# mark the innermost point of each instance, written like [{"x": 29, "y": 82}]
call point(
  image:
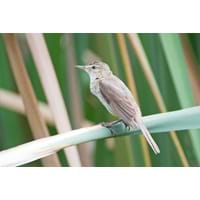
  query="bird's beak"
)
[{"x": 80, "y": 67}]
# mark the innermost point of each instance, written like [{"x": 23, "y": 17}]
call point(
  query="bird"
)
[{"x": 117, "y": 98}]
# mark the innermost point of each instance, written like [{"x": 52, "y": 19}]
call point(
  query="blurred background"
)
[{"x": 161, "y": 70}]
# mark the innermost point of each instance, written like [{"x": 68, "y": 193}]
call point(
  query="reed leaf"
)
[
  {"x": 177, "y": 120},
  {"x": 75, "y": 100},
  {"x": 36, "y": 122},
  {"x": 14, "y": 102},
  {"x": 193, "y": 67},
  {"x": 179, "y": 72},
  {"x": 137, "y": 46},
  {"x": 52, "y": 90},
  {"x": 8, "y": 136},
  {"x": 132, "y": 86}
]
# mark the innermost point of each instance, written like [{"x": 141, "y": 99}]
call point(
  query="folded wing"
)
[{"x": 120, "y": 101}]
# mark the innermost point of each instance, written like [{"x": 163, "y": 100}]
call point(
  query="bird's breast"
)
[
  {"x": 94, "y": 87},
  {"x": 95, "y": 90}
]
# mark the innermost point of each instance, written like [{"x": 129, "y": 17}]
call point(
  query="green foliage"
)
[{"x": 165, "y": 54}]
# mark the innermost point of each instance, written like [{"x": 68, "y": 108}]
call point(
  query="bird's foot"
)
[
  {"x": 109, "y": 125},
  {"x": 127, "y": 126}
]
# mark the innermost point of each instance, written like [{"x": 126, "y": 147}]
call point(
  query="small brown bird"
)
[{"x": 117, "y": 98}]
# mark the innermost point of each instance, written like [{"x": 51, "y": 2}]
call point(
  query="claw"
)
[
  {"x": 106, "y": 124},
  {"x": 109, "y": 125},
  {"x": 127, "y": 126}
]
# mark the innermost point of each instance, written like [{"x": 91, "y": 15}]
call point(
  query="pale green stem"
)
[{"x": 177, "y": 120}]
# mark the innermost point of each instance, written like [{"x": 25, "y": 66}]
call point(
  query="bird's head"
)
[{"x": 96, "y": 70}]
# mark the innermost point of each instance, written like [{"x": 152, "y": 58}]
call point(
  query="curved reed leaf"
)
[{"x": 177, "y": 120}]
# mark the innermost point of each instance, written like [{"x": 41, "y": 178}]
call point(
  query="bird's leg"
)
[
  {"x": 110, "y": 124},
  {"x": 134, "y": 125},
  {"x": 126, "y": 125},
  {"x": 112, "y": 131},
  {"x": 117, "y": 121}
]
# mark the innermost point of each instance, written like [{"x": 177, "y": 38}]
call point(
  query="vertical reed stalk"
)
[
  {"x": 36, "y": 122},
  {"x": 142, "y": 58},
  {"x": 76, "y": 109},
  {"x": 131, "y": 84},
  {"x": 193, "y": 70},
  {"x": 52, "y": 90}
]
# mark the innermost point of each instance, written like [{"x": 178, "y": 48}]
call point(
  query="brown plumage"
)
[{"x": 117, "y": 98}]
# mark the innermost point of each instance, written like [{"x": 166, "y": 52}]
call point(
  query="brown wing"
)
[{"x": 120, "y": 100}]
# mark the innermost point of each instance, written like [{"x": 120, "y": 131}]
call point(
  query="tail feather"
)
[{"x": 149, "y": 138}]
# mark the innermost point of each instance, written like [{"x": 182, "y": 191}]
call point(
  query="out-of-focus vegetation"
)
[{"x": 162, "y": 70}]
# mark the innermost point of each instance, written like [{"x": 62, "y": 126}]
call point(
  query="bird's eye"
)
[{"x": 93, "y": 67}]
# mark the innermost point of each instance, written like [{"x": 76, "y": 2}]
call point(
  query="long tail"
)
[{"x": 149, "y": 139}]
